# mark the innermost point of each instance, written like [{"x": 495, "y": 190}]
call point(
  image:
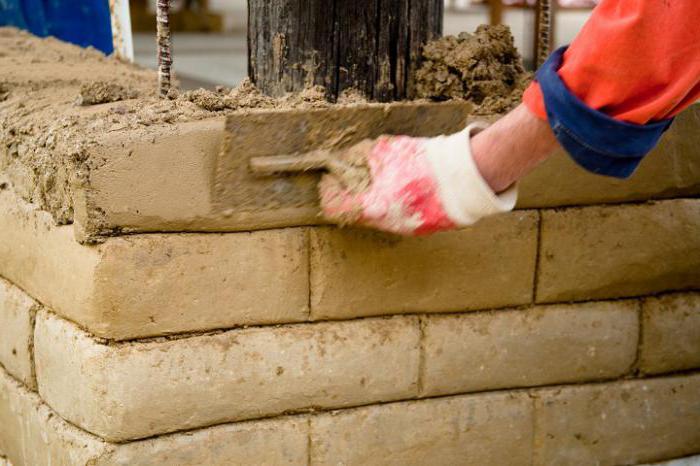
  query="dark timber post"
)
[{"x": 370, "y": 45}]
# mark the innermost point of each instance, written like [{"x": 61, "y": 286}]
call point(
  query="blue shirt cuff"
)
[{"x": 596, "y": 141}]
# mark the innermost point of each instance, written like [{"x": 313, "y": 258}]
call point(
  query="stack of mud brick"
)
[{"x": 564, "y": 333}]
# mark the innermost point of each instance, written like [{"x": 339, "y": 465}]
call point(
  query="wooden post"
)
[{"x": 371, "y": 45}]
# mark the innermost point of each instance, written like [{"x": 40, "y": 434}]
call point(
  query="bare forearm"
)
[{"x": 512, "y": 147}]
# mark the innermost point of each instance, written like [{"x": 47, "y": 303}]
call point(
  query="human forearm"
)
[{"x": 512, "y": 147}]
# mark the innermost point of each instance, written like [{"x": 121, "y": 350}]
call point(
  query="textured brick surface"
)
[
  {"x": 282, "y": 441},
  {"x": 361, "y": 273},
  {"x": 145, "y": 285},
  {"x": 539, "y": 346},
  {"x": 616, "y": 251},
  {"x": 17, "y": 312},
  {"x": 478, "y": 430},
  {"x": 136, "y": 390},
  {"x": 671, "y": 170},
  {"x": 32, "y": 434},
  {"x": 671, "y": 333},
  {"x": 618, "y": 423}
]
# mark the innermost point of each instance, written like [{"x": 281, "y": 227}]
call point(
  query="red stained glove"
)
[{"x": 411, "y": 186}]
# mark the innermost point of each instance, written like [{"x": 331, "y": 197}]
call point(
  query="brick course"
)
[
  {"x": 33, "y": 434},
  {"x": 360, "y": 273},
  {"x": 17, "y": 312},
  {"x": 136, "y": 390},
  {"x": 539, "y": 346},
  {"x": 147, "y": 285},
  {"x": 627, "y": 422},
  {"x": 478, "y": 430},
  {"x": 619, "y": 251}
]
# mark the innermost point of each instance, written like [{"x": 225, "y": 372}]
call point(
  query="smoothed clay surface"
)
[{"x": 58, "y": 102}]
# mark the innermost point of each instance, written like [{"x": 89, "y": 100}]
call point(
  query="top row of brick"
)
[{"x": 162, "y": 180}]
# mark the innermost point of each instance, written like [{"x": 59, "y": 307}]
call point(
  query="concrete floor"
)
[{"x": 206, "y": 60}]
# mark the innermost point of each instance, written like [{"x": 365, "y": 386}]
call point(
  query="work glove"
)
[{"x": 411, "y": 186}]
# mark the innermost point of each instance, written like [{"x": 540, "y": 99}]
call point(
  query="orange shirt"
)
[{"x": 635, "y": 60}]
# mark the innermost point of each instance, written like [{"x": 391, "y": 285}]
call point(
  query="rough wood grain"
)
[{"x": 370, "y": 45}]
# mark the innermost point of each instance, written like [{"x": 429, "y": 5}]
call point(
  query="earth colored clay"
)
[
  {"x": 144, "y": 165},
  {"x": 17, "y": 316},
  {"x": 58, "y": 101},
  {"x": 542, "y": 345},
  {"x": 671, "y": 333},
  {"x": 602, "y": 252},
  {"x": 246, "y": 96},
  {"x": 123, "y": 391},
  {"x": 101, "y": 92},
  {"x": 624, "y": 422},
  {"x": 484, "y": 67}
]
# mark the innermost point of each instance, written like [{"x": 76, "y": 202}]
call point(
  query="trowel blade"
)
[{"x": 281, "y": 197}]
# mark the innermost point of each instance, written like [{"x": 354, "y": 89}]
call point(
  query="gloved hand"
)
[{"x": 411, "y": 186}]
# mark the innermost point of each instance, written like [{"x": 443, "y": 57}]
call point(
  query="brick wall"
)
[{"x": 550, "y": 335}]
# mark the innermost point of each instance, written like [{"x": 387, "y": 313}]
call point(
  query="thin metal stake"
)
[
  {"x": 543, "y": 46},
  {"x": 165, "y": 59}
]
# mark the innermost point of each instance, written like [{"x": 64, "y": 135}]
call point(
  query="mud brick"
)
[
  {"x": 617, "y": 251},
  {"x": 136, "y": 390},
  {"x": 617, "y": 423},
  {"x": 538, "y": 346},
  {"x": 360, "y": 273},
  {"x": 17, "y": 313},
  {"x": 671, "y": 333},
  {"x": 33, "y": 434},
  {"x": 147, "y": 285},
  {"x": 478, "y": 430}
]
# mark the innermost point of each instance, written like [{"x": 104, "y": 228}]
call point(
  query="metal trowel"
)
[{"x": 269, "y": 165}]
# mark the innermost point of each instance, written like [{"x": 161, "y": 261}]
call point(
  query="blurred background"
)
[
  {"x": 209, "y": 36},
  {"x": 210, "y": 43}
]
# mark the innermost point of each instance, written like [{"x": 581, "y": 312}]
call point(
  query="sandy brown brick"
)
[
  {"x": 361, "y": 273},
  {"x": 280, "y": 441},
  {"x": 672, "y": 169},
  {"x": 32, "y": 434},
  {"x": 618, "y": 423},
  {"x": 538, "y": 346},
  {"x": 617, "y": 251},
  {"x": 136, "y": 390},
  {"x": 479, "y": 430},
  {"x": 17, "y": 313},
  {"x": 671, "y": 333},
  {"x": 146, "y": 285}
]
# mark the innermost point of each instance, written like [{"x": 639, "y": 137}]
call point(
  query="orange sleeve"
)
[{"x": 635, "y": 60}]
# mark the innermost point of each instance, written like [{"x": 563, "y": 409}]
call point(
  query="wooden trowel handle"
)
[{"x": 310, "y": 161}]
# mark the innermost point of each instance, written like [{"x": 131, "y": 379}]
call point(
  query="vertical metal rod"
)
[
  {"x": 543, "y": 27},
  {"x": 164, "y": 46}
]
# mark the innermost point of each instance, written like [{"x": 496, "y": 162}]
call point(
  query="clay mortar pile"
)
[{"x": 484, "y": 67}]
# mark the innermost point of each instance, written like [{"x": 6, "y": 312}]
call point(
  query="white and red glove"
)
[{"x": 411, "y": 186}]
